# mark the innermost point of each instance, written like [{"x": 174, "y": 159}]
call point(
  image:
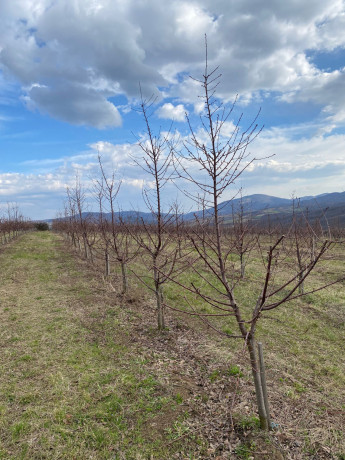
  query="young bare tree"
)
[
  {"x": 113, "y": 229},
  {"x": 244, "y": 236},
  {"x": 223, "y": 159},
  {"x": 85, "y": 229},
  {"x": 13, "y": 223},
  {"x": 155, "y": 238},
  {"x": 82, "y": 224},
  {"x": 66, "y": 224}
]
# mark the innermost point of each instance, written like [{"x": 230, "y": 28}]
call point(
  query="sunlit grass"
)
[{"x": 72, "y": 384}]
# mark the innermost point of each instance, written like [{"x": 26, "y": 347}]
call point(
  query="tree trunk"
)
[
  {"x": 160, "y": 308},
  {"x": 85, "y": 248},
  {"x": 258, "y": 387},
  {"x": 124, "y": 277},
  {"x": 243, "y": 266},
  {"x": 312, "y": 255},
  {"x": 107, "y": 263},
  {"x": 263, "y": 383},
  {"x": 90, "y": 253},
  {"x": 301, "y": 286}
]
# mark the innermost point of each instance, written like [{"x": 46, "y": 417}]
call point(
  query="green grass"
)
[
  {"x": 303, "y": 342},
  {"x": 75, "y": 383},
  {"x": 72, "y": 384}
]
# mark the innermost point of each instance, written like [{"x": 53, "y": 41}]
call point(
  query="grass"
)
[
  {"x": 86, "y": 375},
  {"x": 72, "y": 383},
  {"x": 304, "y": 348}
]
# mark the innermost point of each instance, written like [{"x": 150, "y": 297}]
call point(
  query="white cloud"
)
[
  {"x": 309, "y": 165},
  {"x": 81, "y": 53},
  {"x": 18, "y": 183},
  {"x": 172, "y": 112},
  {"x": 72, "y": 59}
]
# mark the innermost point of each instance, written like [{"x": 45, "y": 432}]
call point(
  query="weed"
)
[
  {"x": 27, "y": 399},
  {"x": 18, "y": 429},
  {"x": 250, "y": 422},
  {"x": 245, "y": 450},
  {"x": 178, "y": 429},
  {"x": 26, "y": 358},
  {"x": 299, "y": 387},
  {"x": 235, "y": 371},
  {"x": 179, "y": 398},
  {"x": 214, "y": 375},
  {"x": 228, "y": 330}
]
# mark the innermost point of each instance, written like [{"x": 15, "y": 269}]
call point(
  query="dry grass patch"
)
[
  {"x": 85, "y": 374},
  {"x": 73, "y": 385}
]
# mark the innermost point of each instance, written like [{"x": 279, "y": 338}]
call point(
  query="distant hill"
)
[
  {"x": 251, "y": 204},
  {"x": 327, "y": 208},
  {"x": 330, "y": 206}
]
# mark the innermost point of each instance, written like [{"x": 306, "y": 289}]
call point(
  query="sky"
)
[{"x": 70, "y": 72}]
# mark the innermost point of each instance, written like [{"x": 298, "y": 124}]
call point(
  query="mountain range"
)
[
  {"x": 328, "y": 206},
  {"x": 258, "y": 207}
]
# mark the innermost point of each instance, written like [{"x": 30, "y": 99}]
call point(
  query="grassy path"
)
[{"x": 72, "y": 386}]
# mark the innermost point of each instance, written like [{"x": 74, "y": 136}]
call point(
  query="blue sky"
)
[{"x": 70, "y": 73}]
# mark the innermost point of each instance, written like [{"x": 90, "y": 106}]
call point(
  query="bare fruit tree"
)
[
  {"x": 223, "y": 159},
  {"x": 244, "y": 233},
  {"x": 85, "y": 229},
  {"x": 113, "y": 229},
  {"x": 156, "y": 235}
]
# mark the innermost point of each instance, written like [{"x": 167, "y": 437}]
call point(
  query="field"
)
[{"x": 86, "y": 375}]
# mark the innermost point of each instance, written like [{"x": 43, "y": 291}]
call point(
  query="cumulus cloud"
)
[
  {"x": 42, "y": 189},
  {"x": 74, "y": 60},
  {"x": 75, "y": 56},
  {"x": 172, "y": 112},
  {"x": 72, "y": 57},
  {"x": 307, "y": 165},
  {"x": 303, "y": 165},
  {"x": 74, "y": 104}
]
